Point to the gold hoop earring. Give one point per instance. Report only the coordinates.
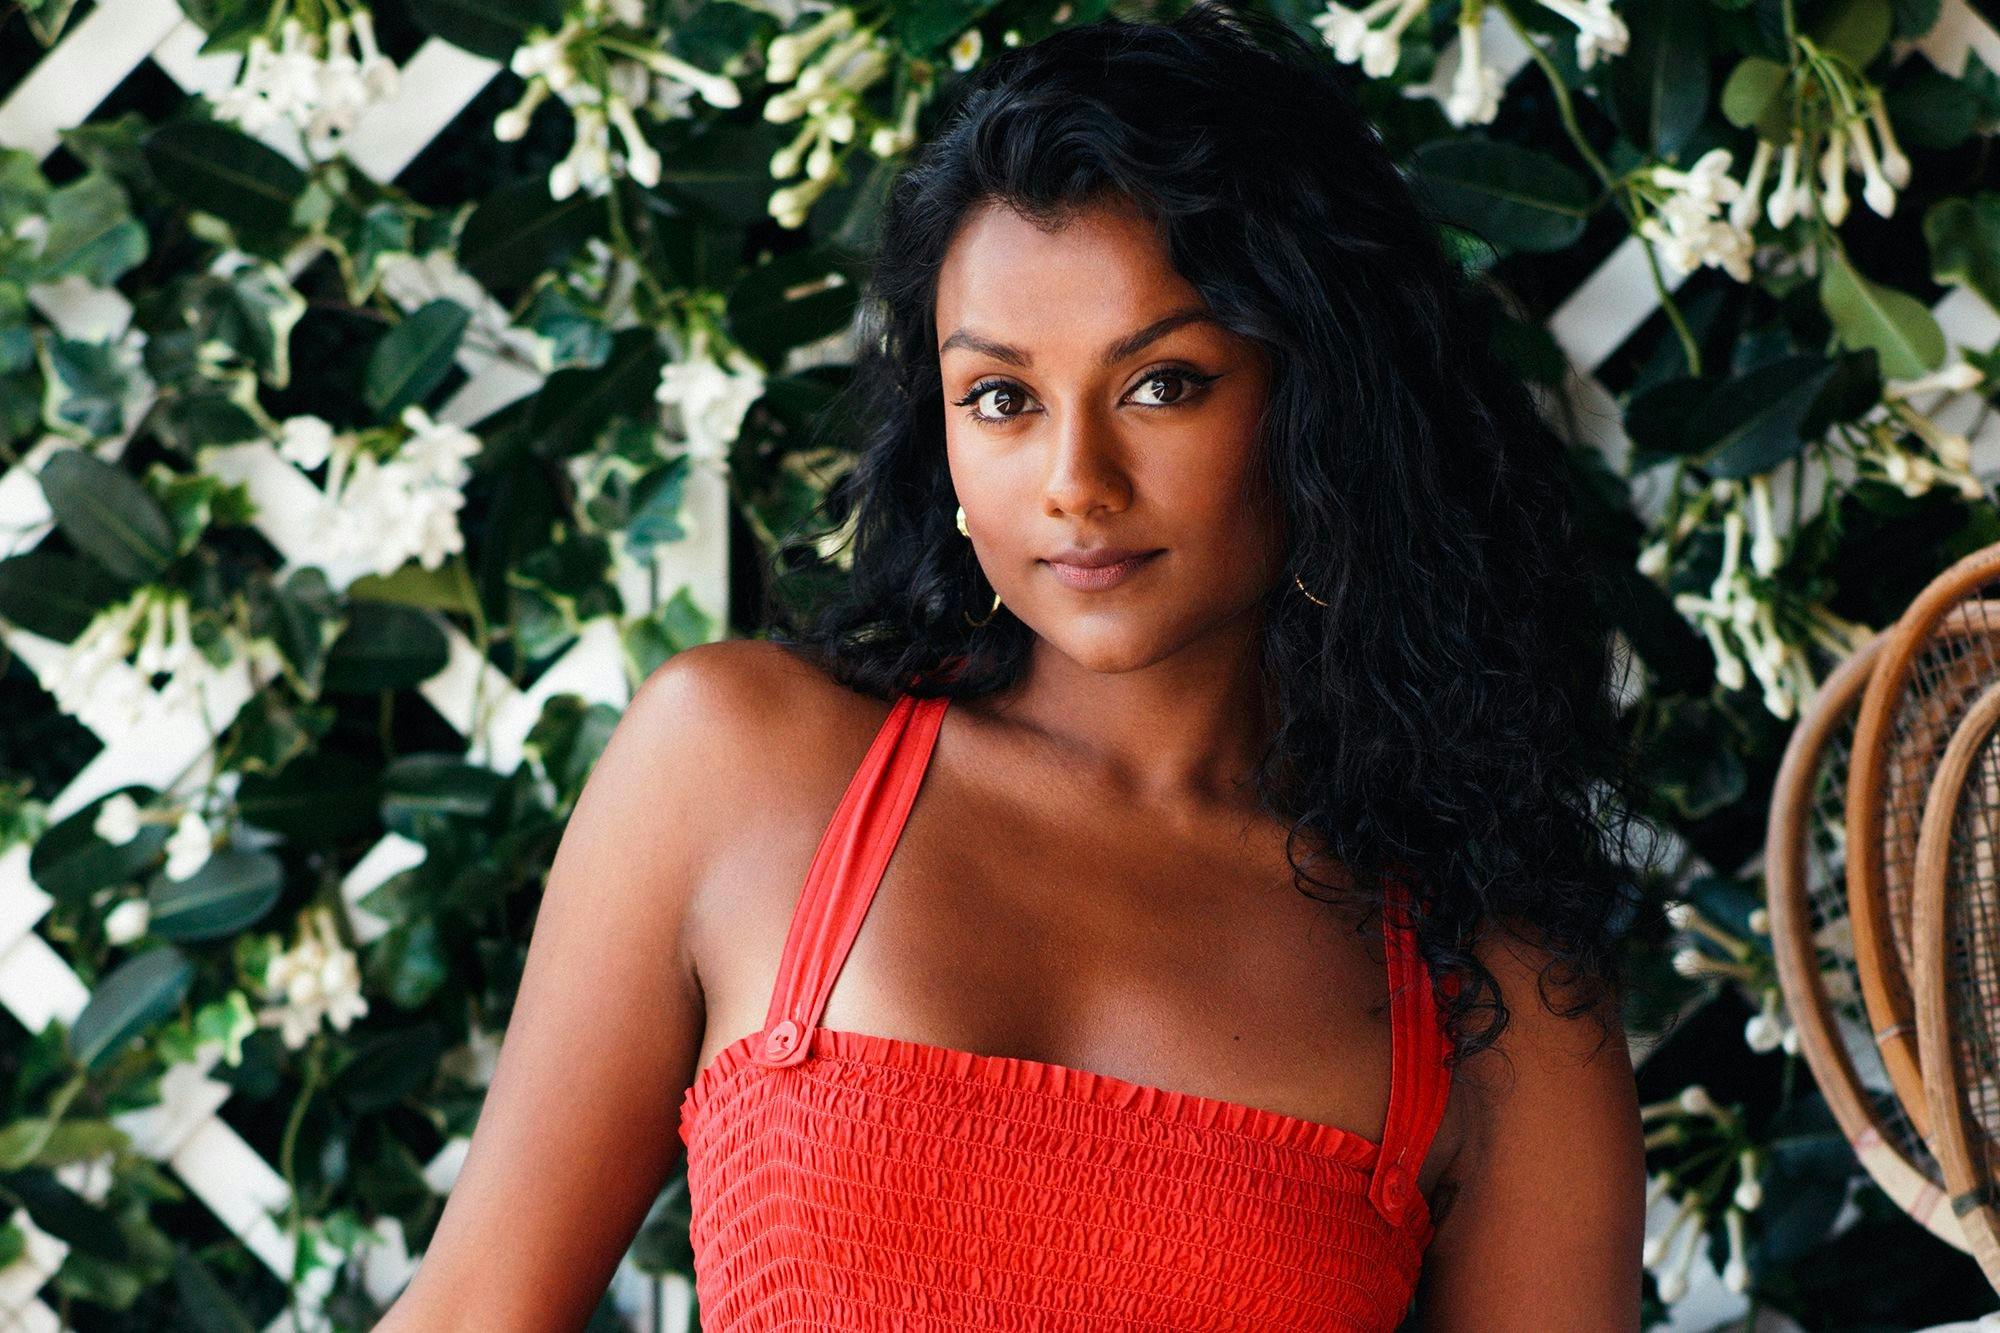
(1309, 597)
(960, 521)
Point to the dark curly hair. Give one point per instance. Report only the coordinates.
(1450, 717)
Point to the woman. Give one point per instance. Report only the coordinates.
(1219, 668)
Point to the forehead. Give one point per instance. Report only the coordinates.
(1102, 272)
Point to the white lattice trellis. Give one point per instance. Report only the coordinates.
(168, 752)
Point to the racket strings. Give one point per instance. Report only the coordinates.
(1972, 954)
(1950, 670)
(1833, 939)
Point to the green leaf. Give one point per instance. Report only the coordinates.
(1754, 96)
(54, 594)
(517, 233)
(414, 358)
(797, 298)
(1513, 196)
(407, 964)
(1750, 424)
(656, 506)
(36, 1141)
(390, 1066)
(92, 233)
(202, 1302)
(221, 170)
(921, 29)
(1659, 87)
(574, 405)
(490, 28)
(251, 310)
(723, 169)
(1964, 239)
(302, 618)
(418, 788)
(108, 515)
(1898, 326)
(139, 991)
(24, 191)
(72, 864)
(384, 647)
(1858, 29)
(233, 889)
(1914, 18)
(85, 386)
(322, 799)
(446, 588)
(1932, 110)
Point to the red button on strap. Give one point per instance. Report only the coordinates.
(784, 1043)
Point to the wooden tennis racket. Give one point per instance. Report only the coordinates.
(1937, 657)
(1806, 896)
(1955, 924)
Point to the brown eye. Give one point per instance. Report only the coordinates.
(1189, 381)
(1001, 388)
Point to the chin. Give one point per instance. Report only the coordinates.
(1108, 654)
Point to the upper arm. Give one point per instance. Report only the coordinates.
(579, 1128)
(1548, 1218)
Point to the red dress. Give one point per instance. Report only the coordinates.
(841, 1180)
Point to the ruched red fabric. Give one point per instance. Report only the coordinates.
(843, 1180)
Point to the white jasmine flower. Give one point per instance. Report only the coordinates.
(118, 820)
(588, 166)
(305, 440)
(965, 51)
(92, 681)
(1743, 209)
(1599, 29)
(1833, 177)
(1475, 86)
(1783, 205)
(438, 450)
(1895, 165)
(380, 73)
(788, 52)
(1353, 36)
(512, 124)
(1654, 1251)
(1673, 1279)
(1956, 377)
(190, 845)
(642, 160)
(1735, 1273)
(1764, 1031)
(127, 921)
(1695, 1100)
(1749, 1191)
(1876, 191)
(712, 397)
(547, 57)
(1764, 549)
(320, 82)
(317, 979)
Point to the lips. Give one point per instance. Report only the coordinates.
(1096, 576)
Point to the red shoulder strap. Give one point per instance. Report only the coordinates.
(853, 852)
(1418, 1080)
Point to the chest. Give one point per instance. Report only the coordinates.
(1043, 926)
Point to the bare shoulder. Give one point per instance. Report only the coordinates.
(759, 738)
(728, 711)
(1549, 1185)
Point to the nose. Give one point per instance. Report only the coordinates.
(1084, 472)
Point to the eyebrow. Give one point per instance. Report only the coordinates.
(1112, 355)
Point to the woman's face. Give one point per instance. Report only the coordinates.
(1102, 422)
